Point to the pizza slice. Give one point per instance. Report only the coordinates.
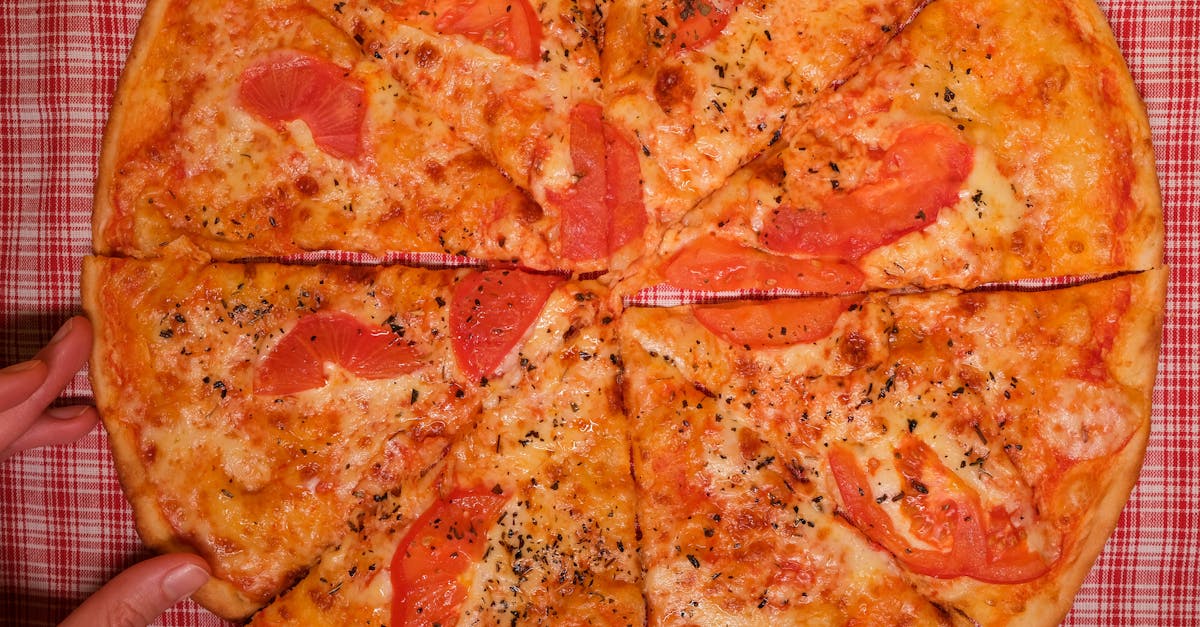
(519, 81)
(738, 530)
(280, 138)
(254, 409)
(964, 153)
(704, 86)
(974, 449)
(529, 518)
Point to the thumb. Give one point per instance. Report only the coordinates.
(137, 596)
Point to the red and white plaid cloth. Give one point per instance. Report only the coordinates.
(65, 527)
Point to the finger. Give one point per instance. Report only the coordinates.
(137, 596)
(58, 425)
(19, 381)
(17, 384)
(60, 359)
(64, 355)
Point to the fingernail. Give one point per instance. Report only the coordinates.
(62, 331)
(183, 581)
(21, 367)
(66, 413)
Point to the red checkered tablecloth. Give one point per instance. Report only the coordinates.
(65, 527)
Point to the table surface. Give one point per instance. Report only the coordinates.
(65, 528)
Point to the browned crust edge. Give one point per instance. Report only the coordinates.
(219, 596)
(110, 143)
(1147, 252)
(1137, 353)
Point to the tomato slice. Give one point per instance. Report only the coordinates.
(509, 27)
(716, 264)
(944, 512)
(297, 361)
(921, 174)
(623, 189)
(585, 220)
(770, 324)
(287, 85)
(490, 312)
(430, 567)
(701, 21)
(603, 209)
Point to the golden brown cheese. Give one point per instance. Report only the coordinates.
(515, 113)
(184, 157)
(736, 529)
(700, 112)
(260, 484)
(1036, 402)
(563, 549)
(1061, 174)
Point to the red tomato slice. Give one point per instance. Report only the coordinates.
(603, 210)
(623, 189)
(944, 512)
(922, 173)
(287, 85)
(296, 363)
(715, 264)
(701, 21)
(585, 220)
(431, 564)
(508, 27)
(489, 313)
(292, 366)
(770, 324)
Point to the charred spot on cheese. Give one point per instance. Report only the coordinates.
(854, 349)
(307, 185)
(427, 56)
(672, 87)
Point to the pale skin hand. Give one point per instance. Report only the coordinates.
(137, 596)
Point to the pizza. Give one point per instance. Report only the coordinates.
(723, 77)
(966, 182)
(934, 457)
(298, 144)
(538, 492)
(577, 312)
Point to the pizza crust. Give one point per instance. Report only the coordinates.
(1136, 357)
(154, 529)
(114, 131)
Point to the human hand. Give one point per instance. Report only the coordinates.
(28, 388)
(137, 596)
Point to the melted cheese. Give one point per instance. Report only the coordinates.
(984, 380)
(208, 169)
(260, 485)
(564, 548)
(702, 113)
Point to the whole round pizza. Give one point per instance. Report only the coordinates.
(711, 312)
